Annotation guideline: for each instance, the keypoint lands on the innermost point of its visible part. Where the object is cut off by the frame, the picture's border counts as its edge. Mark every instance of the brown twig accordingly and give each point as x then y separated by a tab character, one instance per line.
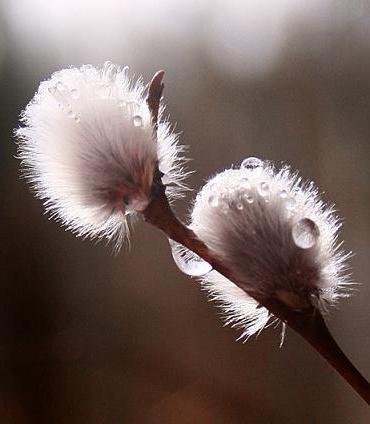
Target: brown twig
309	324
153	100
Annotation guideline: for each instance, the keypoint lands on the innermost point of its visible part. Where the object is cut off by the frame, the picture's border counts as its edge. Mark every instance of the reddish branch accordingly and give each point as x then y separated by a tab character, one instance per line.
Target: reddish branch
309	324
153	100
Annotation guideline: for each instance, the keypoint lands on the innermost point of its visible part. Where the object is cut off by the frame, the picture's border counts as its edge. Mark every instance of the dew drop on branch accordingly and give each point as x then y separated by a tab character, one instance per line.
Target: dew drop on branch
252	164
305	233
188	262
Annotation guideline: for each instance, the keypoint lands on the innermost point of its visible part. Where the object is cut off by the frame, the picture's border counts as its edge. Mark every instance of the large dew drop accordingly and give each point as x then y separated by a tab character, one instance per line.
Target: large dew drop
305	233
188	262
252	164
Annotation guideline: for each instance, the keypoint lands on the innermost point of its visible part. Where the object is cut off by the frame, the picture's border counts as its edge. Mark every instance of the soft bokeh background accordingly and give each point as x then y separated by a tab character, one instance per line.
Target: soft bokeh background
86	337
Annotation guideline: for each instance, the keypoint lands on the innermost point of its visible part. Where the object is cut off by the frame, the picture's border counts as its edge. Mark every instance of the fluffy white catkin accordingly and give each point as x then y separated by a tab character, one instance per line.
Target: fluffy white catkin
87	148
276	236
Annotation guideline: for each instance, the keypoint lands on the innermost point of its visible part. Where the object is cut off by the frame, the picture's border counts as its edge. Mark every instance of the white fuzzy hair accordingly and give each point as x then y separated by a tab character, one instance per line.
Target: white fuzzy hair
88	150
246	218
239	310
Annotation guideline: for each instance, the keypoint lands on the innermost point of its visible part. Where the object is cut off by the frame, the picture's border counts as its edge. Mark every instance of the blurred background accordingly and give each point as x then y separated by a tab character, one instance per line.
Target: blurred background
86	337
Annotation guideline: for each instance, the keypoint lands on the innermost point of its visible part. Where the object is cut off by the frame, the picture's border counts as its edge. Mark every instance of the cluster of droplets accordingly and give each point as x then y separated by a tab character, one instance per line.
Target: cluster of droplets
108	74
246	193
236	198
63	95
251	189
305	232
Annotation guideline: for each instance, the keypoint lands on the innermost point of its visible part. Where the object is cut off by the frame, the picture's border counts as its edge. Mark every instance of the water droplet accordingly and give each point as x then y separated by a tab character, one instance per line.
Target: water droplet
240	206
213	200
264	189
75	93
70	113
77	119
248	197
60	86
187	261
305	233
137	121
252	164
283	194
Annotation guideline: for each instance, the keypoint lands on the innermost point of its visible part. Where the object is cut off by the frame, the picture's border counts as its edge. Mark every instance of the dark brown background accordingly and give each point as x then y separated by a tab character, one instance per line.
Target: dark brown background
86	337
